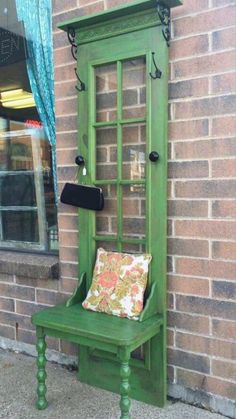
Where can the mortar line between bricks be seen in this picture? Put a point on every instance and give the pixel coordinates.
(200, 335)
(209, 53)
(195, 76)
(201, 277)
(204, 296)
(205, 374)
(66, 10)
(201, 315)
(197, 98)
(202, 354)
(203, 12)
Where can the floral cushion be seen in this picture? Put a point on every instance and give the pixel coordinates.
(118, 285)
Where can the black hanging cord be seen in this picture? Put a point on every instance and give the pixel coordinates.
(74, 50)
(164, 15)
(158, 72)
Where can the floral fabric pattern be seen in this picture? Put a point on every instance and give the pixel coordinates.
(118, 285)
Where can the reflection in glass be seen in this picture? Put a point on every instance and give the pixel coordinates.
(106, 165)
(106, 92)
(134, 220)
(134, 150)
(106, 220)
(134, 88)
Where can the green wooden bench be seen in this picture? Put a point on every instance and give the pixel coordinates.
(116, 48)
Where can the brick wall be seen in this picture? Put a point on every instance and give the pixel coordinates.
(202, 201)
(202, 185)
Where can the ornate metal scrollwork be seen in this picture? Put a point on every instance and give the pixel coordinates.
(74, 51)
(164, 15)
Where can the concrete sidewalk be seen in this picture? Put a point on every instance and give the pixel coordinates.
(69, 399)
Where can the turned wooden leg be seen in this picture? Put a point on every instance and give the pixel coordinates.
(41, 374)
(125, 403)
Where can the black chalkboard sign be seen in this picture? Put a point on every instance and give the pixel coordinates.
(12, 46)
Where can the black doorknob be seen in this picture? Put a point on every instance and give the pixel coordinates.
(154, 156)
(79, 160)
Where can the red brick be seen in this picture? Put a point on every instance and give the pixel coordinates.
(205, 268)
(186, 130)
(63, 56)
(186, 247)
(190, 322)
(206, 107)
(16, 291)
(66, 123)
(225, 126)
(224, 329)
(224, 39)
(38, 283)
(205, 189)
(67, 140)
(221, 387)
(224, 83)
(205, 148)
(68, 222)
(205, 22)
(206, 306)
(6, 304)
(224, 290)
(66, 239)
(69, 270)
(205, 229)
(189, 361)
(28, 308)
(68, 254)
(224, 209)
(170, 337)
(189, 7)
(206, 383)
(192, 209)
(188, 47)
(68, 285)
(188, 88)
(50, 297)
(224, 369)
(7, 332)
(207, 64)
(63, 5)
(188, 285)
(193, 169)
(205, 345)
(224, 168)
(224, 250)
(67, 106)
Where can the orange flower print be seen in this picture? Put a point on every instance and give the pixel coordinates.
(138, 306)
(107, 279)
(134, 289)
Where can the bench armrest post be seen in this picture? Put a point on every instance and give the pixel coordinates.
(79, 294)
(150, 307)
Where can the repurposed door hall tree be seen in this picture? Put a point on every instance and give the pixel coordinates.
(122, 143)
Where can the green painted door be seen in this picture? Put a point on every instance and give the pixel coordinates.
(122, 119)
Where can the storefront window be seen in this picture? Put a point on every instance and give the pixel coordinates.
(28, 212)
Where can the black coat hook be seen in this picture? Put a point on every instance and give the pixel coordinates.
(81, 87)
(158, 72)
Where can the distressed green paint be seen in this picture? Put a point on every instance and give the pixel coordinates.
(107, 342)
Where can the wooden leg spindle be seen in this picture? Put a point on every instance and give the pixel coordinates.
(125, 386)
(41, 374)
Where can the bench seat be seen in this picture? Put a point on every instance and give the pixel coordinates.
(100, 327)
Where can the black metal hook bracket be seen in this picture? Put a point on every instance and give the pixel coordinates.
(74, 50)
(81, 87)
(164, 15)
(158, 72)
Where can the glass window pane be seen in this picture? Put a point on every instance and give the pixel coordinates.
(20, 226)
(134, 88)
(134, 149)
(106, 166)
(106, 92)
(106, 220)
(134, 219)
(17, 190)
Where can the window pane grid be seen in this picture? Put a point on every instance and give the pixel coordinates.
(118, 123)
